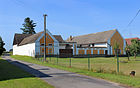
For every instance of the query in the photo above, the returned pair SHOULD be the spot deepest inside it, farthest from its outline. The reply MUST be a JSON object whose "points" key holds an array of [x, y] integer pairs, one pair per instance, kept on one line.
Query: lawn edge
{"points": [[71, 70]]}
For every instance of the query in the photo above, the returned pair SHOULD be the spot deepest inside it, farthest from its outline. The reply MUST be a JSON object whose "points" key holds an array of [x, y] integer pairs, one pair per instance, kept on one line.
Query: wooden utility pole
{"points": [[44, 37]]}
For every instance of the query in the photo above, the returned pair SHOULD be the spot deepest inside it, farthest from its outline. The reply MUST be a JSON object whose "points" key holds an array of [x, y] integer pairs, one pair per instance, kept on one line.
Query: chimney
{"points": [[70, 38]]}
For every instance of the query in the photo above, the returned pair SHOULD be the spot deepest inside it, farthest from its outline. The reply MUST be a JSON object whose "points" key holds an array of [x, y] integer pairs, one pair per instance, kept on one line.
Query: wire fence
{"points": [[96, 64], [87, 63]]}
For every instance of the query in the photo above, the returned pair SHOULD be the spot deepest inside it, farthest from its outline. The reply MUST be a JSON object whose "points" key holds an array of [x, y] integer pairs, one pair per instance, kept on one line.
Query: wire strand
{"points": [[133, 18]]}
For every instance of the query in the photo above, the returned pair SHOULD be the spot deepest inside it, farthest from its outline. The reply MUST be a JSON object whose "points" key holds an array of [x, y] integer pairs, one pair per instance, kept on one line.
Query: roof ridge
{"points": [[94, 33], [93, 37], [56, 35], [23, 34], [132, 38], [32, 39]]}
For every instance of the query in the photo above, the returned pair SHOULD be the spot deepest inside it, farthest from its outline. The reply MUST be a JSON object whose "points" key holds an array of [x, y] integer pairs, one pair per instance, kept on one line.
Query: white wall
{"points": [[56, 48], [124, 52], [28, 50], [62, 47], [100, 45], [37, 49]]}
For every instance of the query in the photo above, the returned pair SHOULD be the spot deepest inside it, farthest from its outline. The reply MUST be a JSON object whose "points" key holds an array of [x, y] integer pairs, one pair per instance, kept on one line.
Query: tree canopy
{"points": [[1, 46], [28, 26], [134, 47]]}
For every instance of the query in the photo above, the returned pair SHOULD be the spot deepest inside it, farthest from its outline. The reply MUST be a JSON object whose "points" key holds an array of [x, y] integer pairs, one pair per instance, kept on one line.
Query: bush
{"points": [[2, 50]]}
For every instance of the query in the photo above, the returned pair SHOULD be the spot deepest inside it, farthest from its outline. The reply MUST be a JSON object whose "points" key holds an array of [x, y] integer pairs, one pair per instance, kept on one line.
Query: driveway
{"points": [[60, 78]]}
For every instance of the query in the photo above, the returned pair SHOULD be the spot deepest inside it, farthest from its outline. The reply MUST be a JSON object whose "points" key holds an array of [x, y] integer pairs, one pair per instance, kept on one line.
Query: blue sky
{"points": [[69, 17]]}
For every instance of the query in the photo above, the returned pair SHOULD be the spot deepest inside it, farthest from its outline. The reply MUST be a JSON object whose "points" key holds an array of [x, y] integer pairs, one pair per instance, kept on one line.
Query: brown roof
{"points": [[30, 39], [99, 37], [22, 39], [59, 38], [19, 37]]}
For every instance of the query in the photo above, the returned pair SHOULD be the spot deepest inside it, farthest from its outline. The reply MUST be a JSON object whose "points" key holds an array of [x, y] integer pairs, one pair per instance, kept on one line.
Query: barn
{"points": [[100, 43], [32, 45]]}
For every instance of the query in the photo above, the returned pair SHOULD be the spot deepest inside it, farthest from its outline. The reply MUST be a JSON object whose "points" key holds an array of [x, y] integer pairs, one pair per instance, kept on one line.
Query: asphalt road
{"points": [[62, 79]]}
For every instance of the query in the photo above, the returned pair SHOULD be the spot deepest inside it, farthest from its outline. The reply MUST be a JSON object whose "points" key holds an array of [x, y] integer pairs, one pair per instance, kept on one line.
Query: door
{"points": [[106, 52], [65, 52]]}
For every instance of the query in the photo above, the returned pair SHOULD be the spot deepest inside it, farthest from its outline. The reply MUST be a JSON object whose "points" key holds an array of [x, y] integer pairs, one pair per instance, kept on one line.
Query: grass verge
{"points": [[13, 77], [122, 79]]}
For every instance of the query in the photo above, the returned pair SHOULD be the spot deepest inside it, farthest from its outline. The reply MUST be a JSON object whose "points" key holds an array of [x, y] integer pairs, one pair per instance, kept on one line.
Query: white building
{"points": [[100, 43], [31, 45]]}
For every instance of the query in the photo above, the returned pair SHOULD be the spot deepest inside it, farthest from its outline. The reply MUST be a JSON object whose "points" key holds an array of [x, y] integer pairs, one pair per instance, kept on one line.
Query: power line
{"points": [[133, 18]]}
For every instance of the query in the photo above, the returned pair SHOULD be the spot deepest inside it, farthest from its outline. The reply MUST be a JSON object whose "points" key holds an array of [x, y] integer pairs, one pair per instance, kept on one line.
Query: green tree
{"points": [[28, 26], [116, 47], [134, 47], [1, 46]]}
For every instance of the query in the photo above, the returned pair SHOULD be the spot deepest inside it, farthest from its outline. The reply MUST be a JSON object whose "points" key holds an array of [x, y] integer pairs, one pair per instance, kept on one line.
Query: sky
{"points": [[69, 17]]}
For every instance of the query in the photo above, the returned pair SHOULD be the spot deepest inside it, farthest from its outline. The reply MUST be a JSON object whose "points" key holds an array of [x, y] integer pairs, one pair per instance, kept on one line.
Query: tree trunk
{"points": [[128, 58], [128, 55], [135, 55]]}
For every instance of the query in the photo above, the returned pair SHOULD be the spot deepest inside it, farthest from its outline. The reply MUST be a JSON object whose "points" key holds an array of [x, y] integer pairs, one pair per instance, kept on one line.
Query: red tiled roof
{"points": [[128, 40]]}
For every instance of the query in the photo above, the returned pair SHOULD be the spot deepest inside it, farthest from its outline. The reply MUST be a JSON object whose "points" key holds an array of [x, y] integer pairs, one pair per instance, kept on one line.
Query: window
{"points": [[50, 51], [42, 44], [49, 44], [92, 45], [42, 50], [89, 45]]}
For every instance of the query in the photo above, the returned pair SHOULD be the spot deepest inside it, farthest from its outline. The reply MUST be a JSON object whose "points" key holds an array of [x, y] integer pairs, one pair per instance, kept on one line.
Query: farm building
{"points": [[96, 43], [99, 43], [31, 45]]}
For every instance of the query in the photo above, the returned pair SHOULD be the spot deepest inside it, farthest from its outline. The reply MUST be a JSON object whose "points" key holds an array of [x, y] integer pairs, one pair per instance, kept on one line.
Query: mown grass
{"points": [[13, 77], [119, 78], [106, 64]]}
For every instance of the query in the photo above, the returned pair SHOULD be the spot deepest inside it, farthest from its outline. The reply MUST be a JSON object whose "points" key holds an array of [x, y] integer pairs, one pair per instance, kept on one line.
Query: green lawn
{"points": [[13, 77], [108, 65]]}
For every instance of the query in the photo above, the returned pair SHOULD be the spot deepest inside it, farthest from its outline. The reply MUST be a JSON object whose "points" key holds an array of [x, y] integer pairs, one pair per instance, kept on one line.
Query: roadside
{"points": [[63, 79], [122, 79], [12, 76]]}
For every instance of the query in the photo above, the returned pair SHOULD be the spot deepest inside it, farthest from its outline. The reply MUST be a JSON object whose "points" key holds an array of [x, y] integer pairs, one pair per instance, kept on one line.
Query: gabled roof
{"points": [[22, 39], [99, 37], [19, 37], [30, 39], [59, 38]]}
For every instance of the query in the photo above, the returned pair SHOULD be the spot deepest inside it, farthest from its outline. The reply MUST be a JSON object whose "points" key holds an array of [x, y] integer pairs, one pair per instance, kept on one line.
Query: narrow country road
{"points": [[60, 78]]}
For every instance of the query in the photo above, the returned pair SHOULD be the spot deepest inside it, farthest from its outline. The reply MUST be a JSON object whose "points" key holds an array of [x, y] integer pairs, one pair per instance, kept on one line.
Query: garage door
{"points": [[65, 52]]}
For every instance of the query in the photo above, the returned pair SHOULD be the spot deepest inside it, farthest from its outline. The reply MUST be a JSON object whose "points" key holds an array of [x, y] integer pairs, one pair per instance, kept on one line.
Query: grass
{"points": [[107, 64], [104, 63], [13, 77]]}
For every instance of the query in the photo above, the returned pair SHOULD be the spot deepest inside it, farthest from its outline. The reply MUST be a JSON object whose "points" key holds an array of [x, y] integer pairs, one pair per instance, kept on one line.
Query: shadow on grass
{"points": [[10, 71]]}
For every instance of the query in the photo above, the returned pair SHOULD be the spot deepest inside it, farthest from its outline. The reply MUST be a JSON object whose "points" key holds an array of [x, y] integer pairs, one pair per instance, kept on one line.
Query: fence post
{"points": [[117, 63], [37, 57], [88, 63], [57, 58], [42, 59], [70, 61], [50, 58]]}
